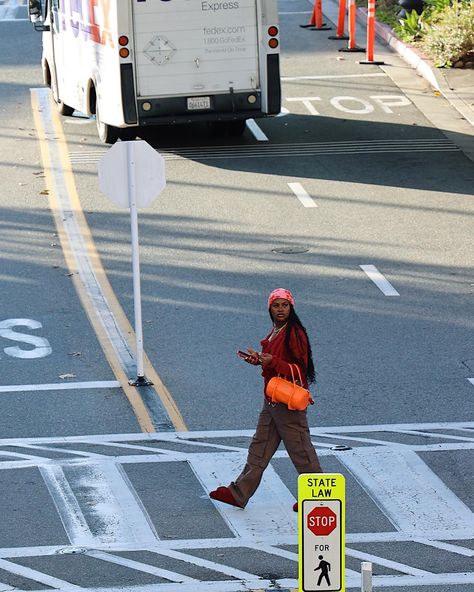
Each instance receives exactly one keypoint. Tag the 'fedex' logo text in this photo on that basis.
(89, 18)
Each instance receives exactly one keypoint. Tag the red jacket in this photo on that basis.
(281, 359)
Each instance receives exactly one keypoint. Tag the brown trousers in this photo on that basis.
(275, 424)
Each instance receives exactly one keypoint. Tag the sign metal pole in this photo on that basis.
(132, 175)
(137, 298)
(366, 576)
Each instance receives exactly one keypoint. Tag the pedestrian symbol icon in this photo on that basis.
(325, 568)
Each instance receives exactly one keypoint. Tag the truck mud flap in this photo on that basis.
(128, 94)
(274, 84)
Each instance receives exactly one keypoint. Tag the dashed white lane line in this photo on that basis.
(302, 195)
(60, 386)
(379, 280)
(256, 131)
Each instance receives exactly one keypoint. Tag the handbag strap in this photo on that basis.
(293, 375)
(311, 401)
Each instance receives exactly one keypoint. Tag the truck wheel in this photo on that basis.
(64, 109)
(236, 128)
(108, 134)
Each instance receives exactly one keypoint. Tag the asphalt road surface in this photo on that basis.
(357, 201)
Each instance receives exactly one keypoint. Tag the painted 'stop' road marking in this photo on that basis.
(302, 195)
(379, 280)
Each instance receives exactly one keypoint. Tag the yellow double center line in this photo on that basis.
(153, 406)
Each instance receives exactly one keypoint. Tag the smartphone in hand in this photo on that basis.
(248, 357)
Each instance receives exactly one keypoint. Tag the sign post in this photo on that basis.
(321, 512)
(132, 175)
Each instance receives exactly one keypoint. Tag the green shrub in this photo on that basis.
(412, 27)
(450, 34)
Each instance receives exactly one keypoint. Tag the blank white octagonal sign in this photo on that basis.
(144, 165)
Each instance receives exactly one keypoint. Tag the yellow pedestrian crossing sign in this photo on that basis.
(321, 532)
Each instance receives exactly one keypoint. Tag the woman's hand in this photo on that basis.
(266, 360)
(254, 357)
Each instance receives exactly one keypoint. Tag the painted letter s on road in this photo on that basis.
(41, 345)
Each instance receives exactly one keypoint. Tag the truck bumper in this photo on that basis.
(223, 107)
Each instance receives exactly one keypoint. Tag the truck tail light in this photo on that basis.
(124, 52)
(273, 42)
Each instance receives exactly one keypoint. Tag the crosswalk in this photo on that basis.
(134, 509)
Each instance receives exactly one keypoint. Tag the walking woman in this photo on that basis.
(287, 343)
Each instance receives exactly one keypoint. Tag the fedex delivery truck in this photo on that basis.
(134, 63)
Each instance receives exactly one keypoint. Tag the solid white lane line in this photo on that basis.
(63, 386)
(256, 131)
(302, 195)
(188, 437)
(411, 495)
(379, 280)
(331, 76)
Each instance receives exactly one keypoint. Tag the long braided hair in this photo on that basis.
(292, 323)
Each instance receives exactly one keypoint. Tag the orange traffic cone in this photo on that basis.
(316, 20)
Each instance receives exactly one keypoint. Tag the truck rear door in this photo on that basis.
(193, 47)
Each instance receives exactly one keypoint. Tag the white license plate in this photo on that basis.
(196, 103)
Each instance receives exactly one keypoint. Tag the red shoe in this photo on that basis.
(224, 494)
(295, 507)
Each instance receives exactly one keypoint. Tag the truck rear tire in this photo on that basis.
(108, 134)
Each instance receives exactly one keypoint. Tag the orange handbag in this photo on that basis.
(291, 394)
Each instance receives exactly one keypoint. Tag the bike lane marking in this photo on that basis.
(154, 407)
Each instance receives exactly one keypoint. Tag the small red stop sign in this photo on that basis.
(321, 521)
